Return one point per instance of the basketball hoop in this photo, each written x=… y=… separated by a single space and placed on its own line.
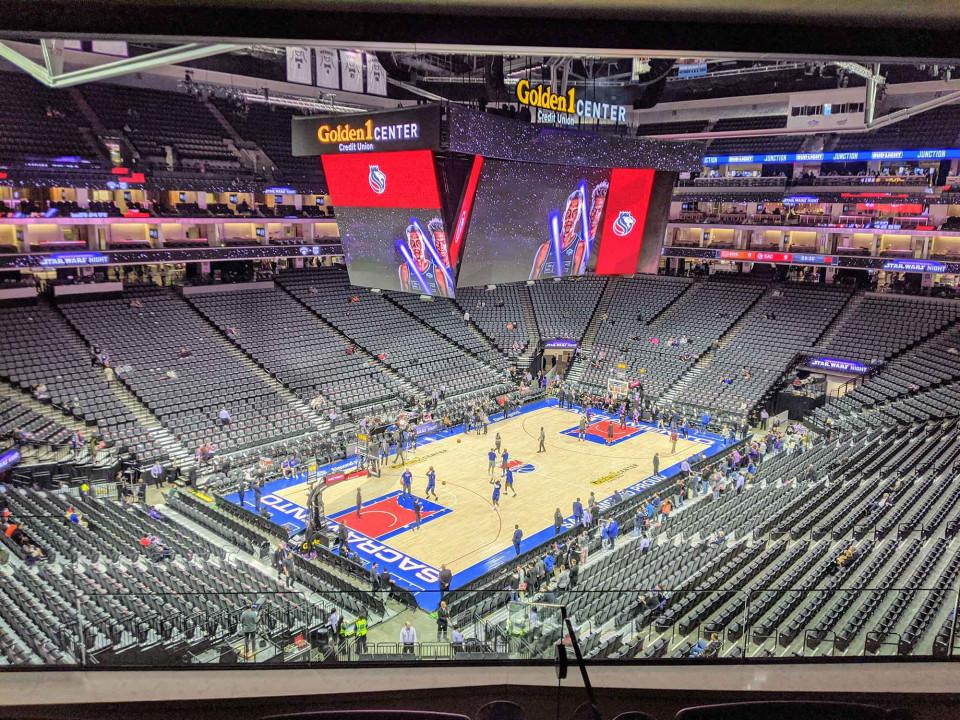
x=618 y=387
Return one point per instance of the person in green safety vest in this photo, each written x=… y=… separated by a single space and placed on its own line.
x=342 y=633
x=360 y=629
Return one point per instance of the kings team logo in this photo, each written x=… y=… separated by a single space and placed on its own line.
x=624 y=223
x=519 y=466
x=377 y=180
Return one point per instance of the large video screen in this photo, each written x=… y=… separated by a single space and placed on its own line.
x=532 y=221
x=391 y=224
x=397 y=249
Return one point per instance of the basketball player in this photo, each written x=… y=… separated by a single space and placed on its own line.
x=496 y=442
x=582 y=429
x=673 y=440
x=496 y=495
x=609 y=431
x=492 y=456
x=504 y=458
x=573 y=246
x=431 y=483
x=359 y=502
x=598 y=199
x=439 y=236
x=543 y=438
x=416 y=513
x=431 y=279
x=406 y=479
x=510 y=482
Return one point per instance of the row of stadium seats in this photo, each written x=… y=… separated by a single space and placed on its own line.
x=300 y=350
x=786 y=322
x=563 y=308
x=424 y=357
x=499 y=313
x=186 y=393
x=881 y=326
x=767 y=560
x=40 y=354
x=662 y=350
x=719 y=344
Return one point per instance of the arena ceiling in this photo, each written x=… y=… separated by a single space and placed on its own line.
x=624 y=51
x=863 y=30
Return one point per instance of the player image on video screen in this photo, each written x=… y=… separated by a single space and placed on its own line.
x=423 y=271
x=571 y=252
x=533 y=221
x=397 y=249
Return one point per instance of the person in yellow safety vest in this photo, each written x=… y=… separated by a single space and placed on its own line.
x=361 y=632
x=342 y=633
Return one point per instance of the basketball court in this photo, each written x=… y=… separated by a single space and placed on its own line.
x=461 y=528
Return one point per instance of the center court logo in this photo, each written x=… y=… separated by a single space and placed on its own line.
x=624 y=223
x=518 y=466
x=377 y=180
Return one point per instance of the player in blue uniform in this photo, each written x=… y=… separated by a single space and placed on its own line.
x=406 y=479
x=496 y=495
x=510 y=482
x=428 y=279
x=574 y=247
x=431 y=483
x=492 y=457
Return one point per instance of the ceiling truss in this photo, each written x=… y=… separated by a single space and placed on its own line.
x=52 y=75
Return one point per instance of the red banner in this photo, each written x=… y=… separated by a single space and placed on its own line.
x=405 y=179
x=338 y=477
x=624 y=219
x=463 y=217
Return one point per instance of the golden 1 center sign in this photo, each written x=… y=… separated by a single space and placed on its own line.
x=566 y=109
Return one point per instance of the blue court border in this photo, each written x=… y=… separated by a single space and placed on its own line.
x=293 y=516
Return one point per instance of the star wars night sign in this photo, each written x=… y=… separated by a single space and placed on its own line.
x=409 y=129
x=838 y=365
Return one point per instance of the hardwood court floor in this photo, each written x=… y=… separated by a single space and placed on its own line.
x=474 y=531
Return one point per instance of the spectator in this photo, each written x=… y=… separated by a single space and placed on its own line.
x=456 y=640
x=408 y=638
x=249 y=619
x=156 y=472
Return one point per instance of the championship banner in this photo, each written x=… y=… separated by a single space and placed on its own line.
x=416 y=128
x=117 y=48
x=376 y=76
x=328 y=68
x=351 y=71
x=298 y=65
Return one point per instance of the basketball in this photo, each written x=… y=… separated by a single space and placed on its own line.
x=458 y=441
x=443 y=482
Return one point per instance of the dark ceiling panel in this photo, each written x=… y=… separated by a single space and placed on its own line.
x=852 y=28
